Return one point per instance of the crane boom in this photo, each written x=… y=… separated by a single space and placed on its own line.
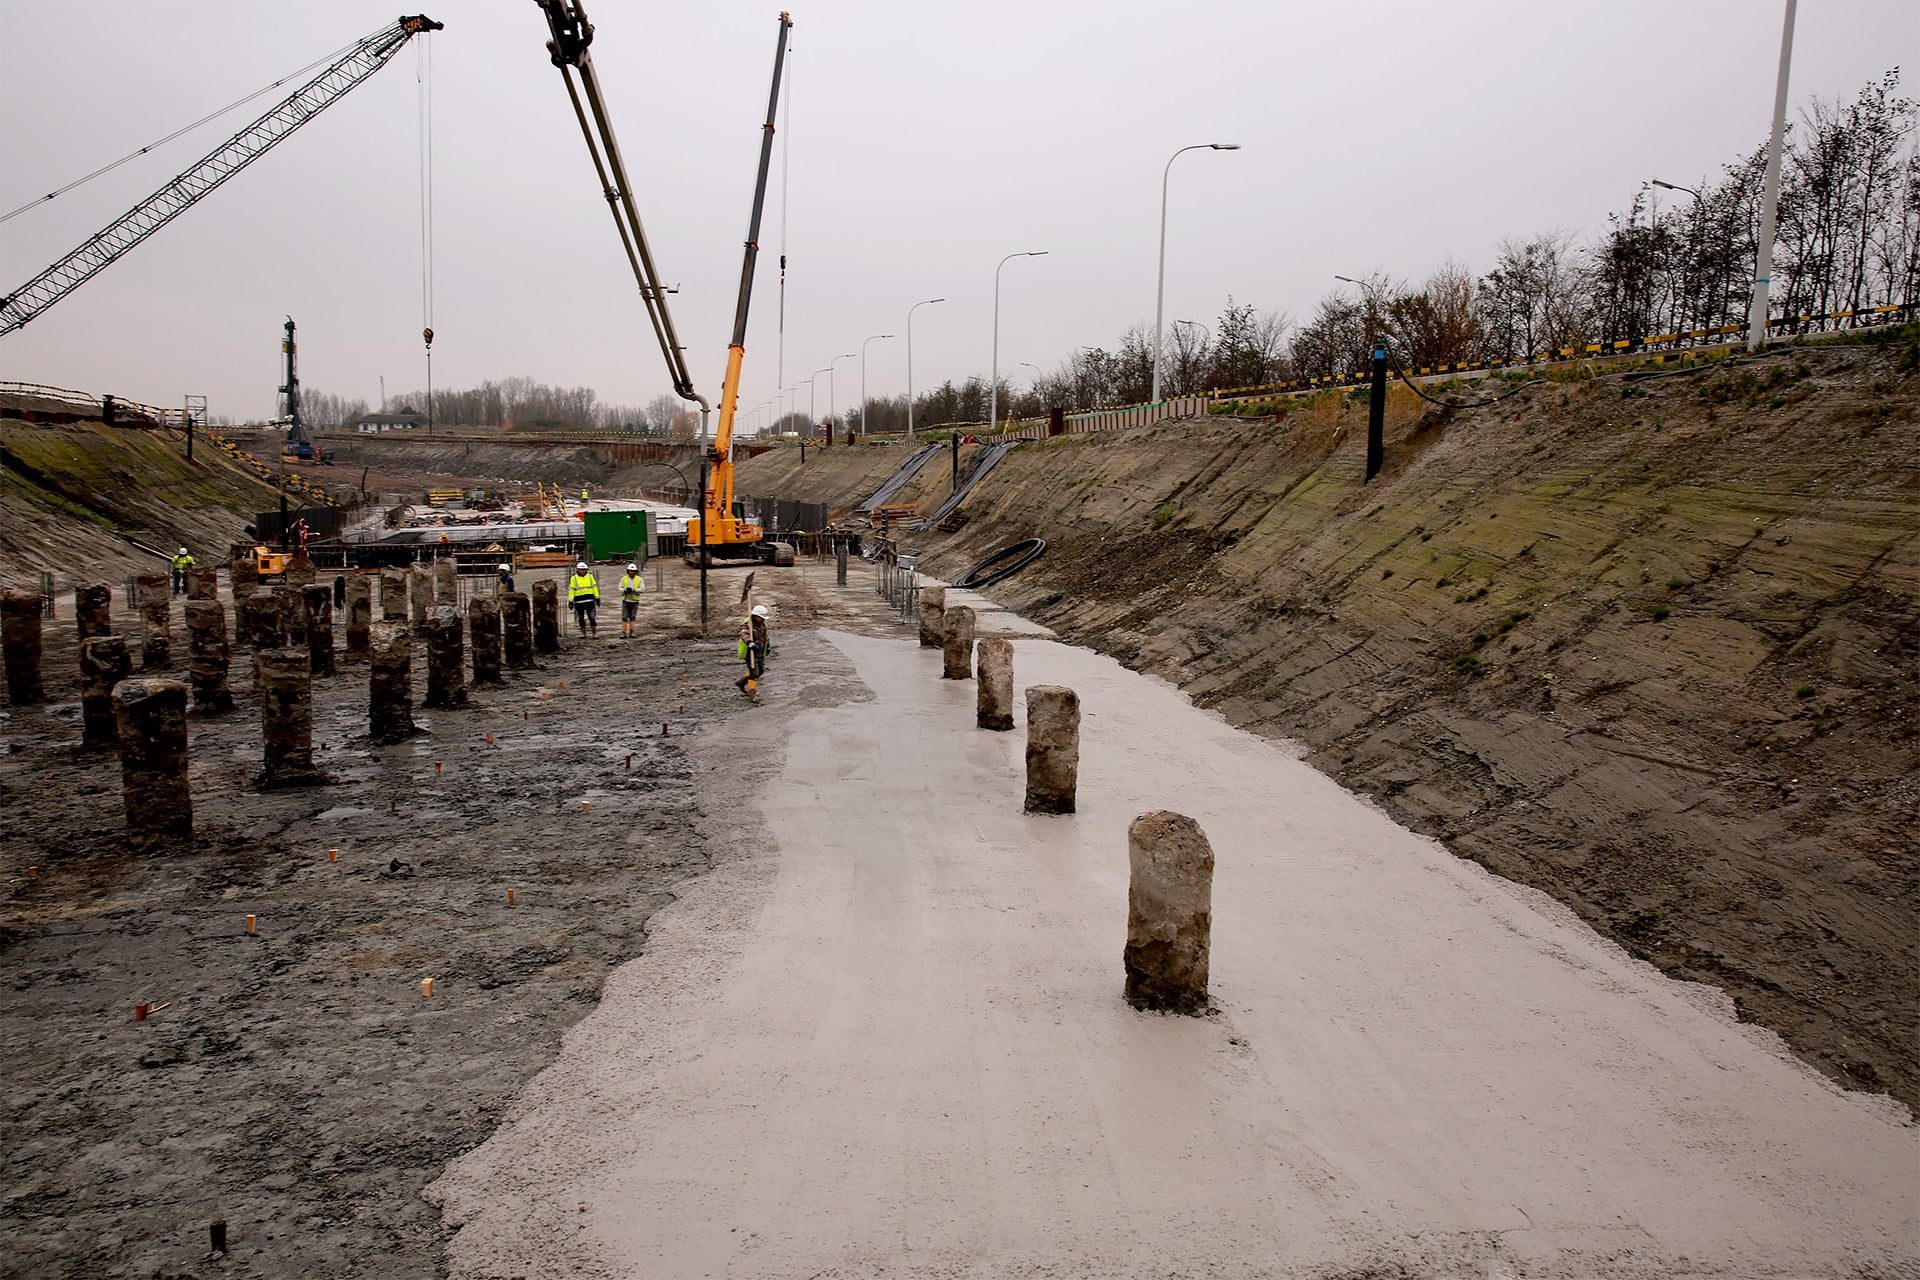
x=118 y=237
x=718 y=525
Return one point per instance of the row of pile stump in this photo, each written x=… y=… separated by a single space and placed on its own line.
x=1170 y=892
x=290 y=629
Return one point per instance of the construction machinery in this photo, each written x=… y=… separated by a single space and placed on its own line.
x=720 y=533
x=106 y=246
x=296 y=445
x=268 y=563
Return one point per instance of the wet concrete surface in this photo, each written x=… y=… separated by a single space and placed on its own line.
x=886 y=1036
x=293 y=1082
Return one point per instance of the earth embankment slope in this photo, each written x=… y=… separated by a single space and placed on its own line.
x=76 y=498
x=1650 y=645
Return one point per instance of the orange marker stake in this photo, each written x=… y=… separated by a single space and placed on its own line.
x=586 y=807
x=333 y=855
x=436 y=768
x=249 y=924
x=426 y=988
x=509 y=897
x=563 y=686
x=140 y=1012
x=489 y=739
x=526 y=715
x=543 y=695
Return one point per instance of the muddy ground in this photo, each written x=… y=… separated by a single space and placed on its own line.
x=294 y=1083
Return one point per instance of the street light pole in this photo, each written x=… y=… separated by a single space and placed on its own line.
x=1770 y=194
x=813 y=411
x=993 y=387
x=831 y=411
x=910 y=310
x=1160 y=287
x=863 y=379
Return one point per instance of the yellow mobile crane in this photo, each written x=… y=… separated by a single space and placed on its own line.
x=721 y=533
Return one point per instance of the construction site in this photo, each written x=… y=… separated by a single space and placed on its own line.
x=1417 y=820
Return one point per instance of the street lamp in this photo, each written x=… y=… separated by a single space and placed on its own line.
x=1195 y=324
x=993 y=392
x=831 y=413
x=813 y=412
x=1037 y=375
x=863 y=379
x=910 y=310
x=1674 y=186
x=1160 y=289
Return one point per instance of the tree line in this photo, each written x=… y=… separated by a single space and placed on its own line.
x=1673 y=260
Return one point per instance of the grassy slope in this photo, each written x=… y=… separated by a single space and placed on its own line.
x=69 y=493
x=1651 y=646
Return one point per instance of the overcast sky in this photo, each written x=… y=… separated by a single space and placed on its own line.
x=926 y=141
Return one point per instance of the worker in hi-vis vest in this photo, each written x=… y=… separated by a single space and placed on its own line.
x=630 y=590
x=583 y=593
x=181 y=563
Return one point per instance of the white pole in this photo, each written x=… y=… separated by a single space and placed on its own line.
x=993 y=387
x=832 y=413
x=910 y=310
x=1770 y=195
x=863 y=379
x=1160 y=284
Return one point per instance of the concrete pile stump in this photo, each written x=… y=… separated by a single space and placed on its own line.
x=104 y=663
x=207 y=657
x=956 y=644
x=1169 y=913
x=390 y=684
x=446 y=582
x=446 y=681
x=483 y=620
x=256 y=621
x=93 y=609
x=299 y=573
x=933 y=603
x=203 y=582
x=150 y=715
x=293 y=615
x=359 y=616
x=516 y=623
x=546 y=617
x=317 y=612
x=286 y=719
x=154 y=591
x=419 y=597
x=393 y=595
x=1053 y=748
x=993 y=704
x=243 y=573
x=20 y=613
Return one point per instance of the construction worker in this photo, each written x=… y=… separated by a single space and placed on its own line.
x=181 y=563
x=583 y=593
x=753 y=649
x=584 y=495
x=506 y=578
x=630 y=589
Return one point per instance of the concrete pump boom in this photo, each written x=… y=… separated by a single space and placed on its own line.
x=118 y=237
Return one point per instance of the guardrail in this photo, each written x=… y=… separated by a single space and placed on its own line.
x=113 y=410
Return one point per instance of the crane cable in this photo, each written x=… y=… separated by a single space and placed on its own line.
x=786 y=140
x=423 y=80
x=181 y=132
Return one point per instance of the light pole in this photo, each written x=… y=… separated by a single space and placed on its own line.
x=831 y=411
x=993 y=388
x=863 y=379
x=813 y=412
x=1770 y=194
x=910 y=310
x=1195 y=324
x=1160 y=289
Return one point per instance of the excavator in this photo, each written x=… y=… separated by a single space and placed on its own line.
x=720 y=534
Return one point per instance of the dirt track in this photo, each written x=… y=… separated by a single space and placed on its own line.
x=297 y=1085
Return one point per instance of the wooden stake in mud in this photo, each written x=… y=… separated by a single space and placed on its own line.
x=208 y=657
x=20 y=638
x=390 y=688
x=317 y=609
x=359 y=616
x=483 y=621
x=546 y=617
x=993 y=704
x=933 y=605
x=286 y=719
x=103 y=664
x=516 y=627
x=154 y=592
x=446 y=677
x=152 y=716
x=93 y=609
x=957 y=644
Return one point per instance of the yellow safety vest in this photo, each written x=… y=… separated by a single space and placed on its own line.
x=582 y=586
x=631 y=587
x=183 y=562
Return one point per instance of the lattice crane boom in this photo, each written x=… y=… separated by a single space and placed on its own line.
x=119 y=237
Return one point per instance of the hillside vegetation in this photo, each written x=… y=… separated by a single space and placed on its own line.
x=74 y=499
x=1649 y=644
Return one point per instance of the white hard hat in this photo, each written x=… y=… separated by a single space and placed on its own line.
x=759 y=611
x=581 y=565
x=633 y=568
x=183 y=551
x=506 y=568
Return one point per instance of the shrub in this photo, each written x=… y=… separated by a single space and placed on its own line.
x=1661 y=613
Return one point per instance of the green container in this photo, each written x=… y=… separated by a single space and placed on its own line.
x=619 y=535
